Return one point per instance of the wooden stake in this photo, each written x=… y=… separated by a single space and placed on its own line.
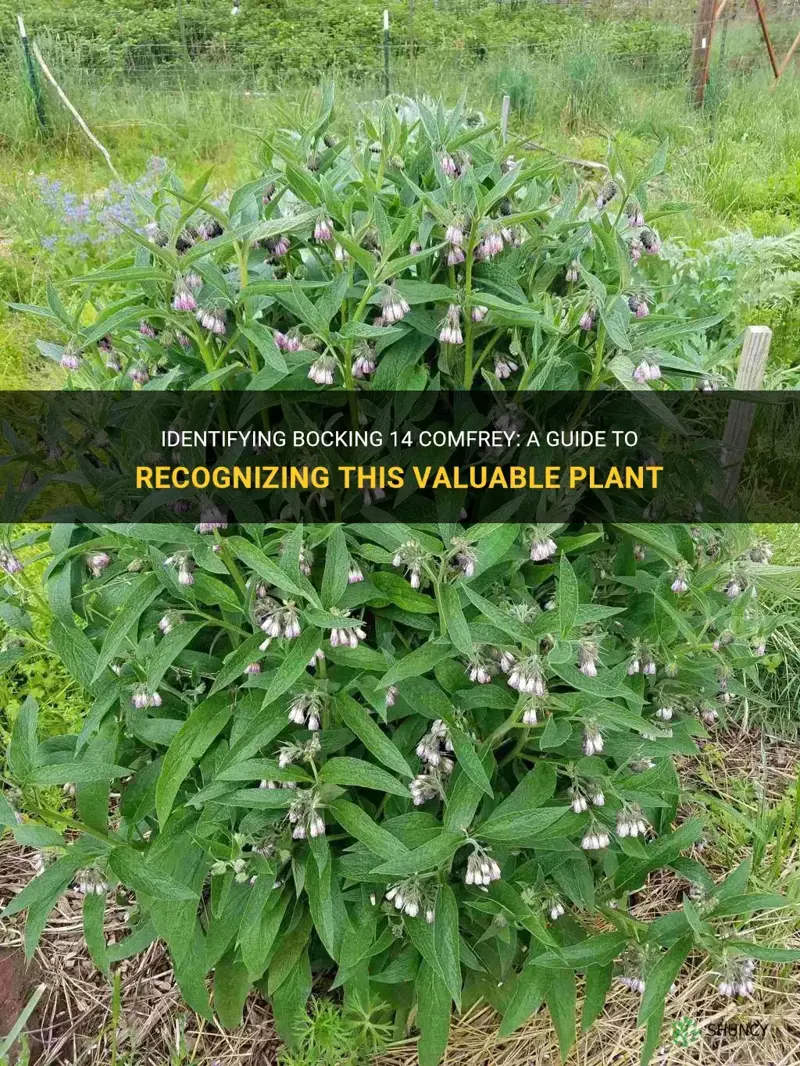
x=787 y=60
x=701 y=48
x=74 y=112
x=749 y=378
x=753 y=360
x=586 y=164
x=504 y=117
x=767 y=40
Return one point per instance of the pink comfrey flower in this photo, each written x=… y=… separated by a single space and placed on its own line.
x=212 y=319
x=638 y=307
x=365 y=362
x=323 y=230
x=183 y=300
x=393 y=306
x=504 y=367
x=70 y=360
x=139 y=374
x=323 y=370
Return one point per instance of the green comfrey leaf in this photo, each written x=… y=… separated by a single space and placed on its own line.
x=23 y=751
x=143 y=591
x=560 y=996
x=145 y=877
x=187 y=747
x=433 y=1015
x=426 y=857
x=355 y=716
x=348 y=771
x=567 y=596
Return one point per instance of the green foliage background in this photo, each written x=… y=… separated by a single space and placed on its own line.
x=289 y=38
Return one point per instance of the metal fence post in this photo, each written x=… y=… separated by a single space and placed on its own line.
x=36 y=89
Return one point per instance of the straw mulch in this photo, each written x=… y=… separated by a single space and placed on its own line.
x=74 y=1019
x=73 y=1023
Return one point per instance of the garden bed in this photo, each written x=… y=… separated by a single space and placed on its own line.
x=75 y=1019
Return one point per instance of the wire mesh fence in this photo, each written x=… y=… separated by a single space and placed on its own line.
x=646 y=42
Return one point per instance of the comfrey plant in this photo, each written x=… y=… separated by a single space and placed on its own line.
x=449 y=779
x=404 y=254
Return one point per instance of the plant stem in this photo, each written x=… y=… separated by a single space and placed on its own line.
x=488 y=349
x=597 y=363
x=70 y=823
x=468 y=368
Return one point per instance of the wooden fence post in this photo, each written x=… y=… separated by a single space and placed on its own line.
x=767 y=39
x=749 y=378
x=784 y=65
x=504 y=117
x=701 y=48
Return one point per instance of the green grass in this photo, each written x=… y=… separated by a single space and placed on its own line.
x=780 y=685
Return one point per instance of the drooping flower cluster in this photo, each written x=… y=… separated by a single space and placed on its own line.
x=737 y=978
x=183 y=564
x=595 y=838
x=90 y=882
x=592 y=740
x=431 y=783
x=580 y=798
x=304 y=815
x=527 y=677
x=212 y=319
x=323 y=370
x=480 y=669
x=435 y=746
x=306 y=709
x=504 y=366
x=9 y=563
x=393 y=306
x=450 y=330
x=347 y=636
x=631 y=822
x=365 y=362
x=184 y=295
x=542 y=546
x=413 y=557
x=481 y=869
x=410 y=898
x=169 y=621
x=96 y=563
x=278 y=620
x=588 y=657
x=142 y=698
x=641 y=660
x=646 y=370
